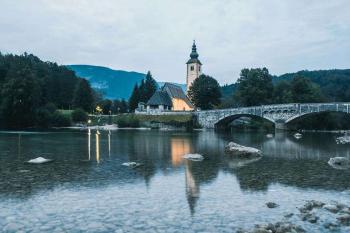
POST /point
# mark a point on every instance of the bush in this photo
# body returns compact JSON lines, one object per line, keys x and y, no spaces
{"x":128,"y":121}
{"x":79,"y":115}
{"x":43,"y":118}
{"x":60,"y":120}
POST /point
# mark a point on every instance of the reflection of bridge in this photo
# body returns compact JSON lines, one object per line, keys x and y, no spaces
{"x":279,"y":114}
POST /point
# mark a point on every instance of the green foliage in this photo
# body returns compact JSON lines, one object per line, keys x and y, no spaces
{"x":79,"y":115}
{"x":149,"y":88}
{"x":205,"y":92}
{"x":134,"y":99}
{"x":28,"y":85}
{"x":119,"y":106}
{"x":128,"y":121}
{"x":43,"y":118}
{"x":20,"y":96}
{"x":143,"y":92}
{"x":303,"y":90}
{"x":83,"y":96}
{"x":254,"y":87}
{"x":334,"y":84}
{"x":106,"y":106}
{"x":60,"y":120}
{"x":282,"y":93}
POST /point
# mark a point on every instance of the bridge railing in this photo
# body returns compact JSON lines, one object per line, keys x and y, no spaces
{"x":299,"y":107}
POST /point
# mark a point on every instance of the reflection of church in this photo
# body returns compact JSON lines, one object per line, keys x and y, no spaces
{"x":171,"y":97}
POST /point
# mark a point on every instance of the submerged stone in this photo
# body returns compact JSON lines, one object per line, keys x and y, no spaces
{"x":298,"y":135}
{"x":132,"y":164}
{"x":39,"y":160}
{"x":241,"y":151}
{"x":271,"y":205}
{"x":193,"y":157}
{"x":340,"y":163}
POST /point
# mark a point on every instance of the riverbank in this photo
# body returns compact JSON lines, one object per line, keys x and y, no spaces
{"x":171,"y":122}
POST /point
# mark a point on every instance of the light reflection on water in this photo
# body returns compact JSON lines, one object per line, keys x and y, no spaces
{"x":167,"y":192}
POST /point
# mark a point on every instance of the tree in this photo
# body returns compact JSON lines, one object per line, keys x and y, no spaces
{"x":254,"y":87}
{"x":134,"y":99}
{"x":83,"y":96}
{"x":150,"y":87}
{"x":123,"y":106}
{"x":106,"y":106}
{"x":282,"y":93}
{"x":205,"y":92}
{"x":303,"y":90}
{"x":20,"y":96}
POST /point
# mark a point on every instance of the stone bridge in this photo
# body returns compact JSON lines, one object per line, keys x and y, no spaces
{"x":279,"y":114}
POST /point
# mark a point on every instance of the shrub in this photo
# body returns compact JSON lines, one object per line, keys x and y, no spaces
{"x":60,"y":120}
{"x":43,"y":118}
{"x":128,"y":121}
{"x":79,"y":115}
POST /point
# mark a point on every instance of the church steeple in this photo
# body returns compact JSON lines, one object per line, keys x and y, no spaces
{"x":194,"y":54}
{"x":194,"y":66}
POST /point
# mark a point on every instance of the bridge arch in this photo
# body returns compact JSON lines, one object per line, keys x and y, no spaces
{"x":225,"y":121}
{"x":307,"y":114}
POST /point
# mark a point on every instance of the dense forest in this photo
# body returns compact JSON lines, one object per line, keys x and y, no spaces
{"x":31,"y":91}
{"x":334,"y":84}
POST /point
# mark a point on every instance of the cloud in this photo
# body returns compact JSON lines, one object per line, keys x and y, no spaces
{"x":284,"y":36}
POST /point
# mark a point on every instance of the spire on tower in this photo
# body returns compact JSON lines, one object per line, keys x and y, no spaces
{"x":194,"y":54}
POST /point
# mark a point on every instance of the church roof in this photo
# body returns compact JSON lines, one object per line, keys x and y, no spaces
{"x":160,"y":97}
{"x":175,"y":91}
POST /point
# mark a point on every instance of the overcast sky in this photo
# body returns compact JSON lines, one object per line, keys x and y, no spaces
{"x":284,"y":36}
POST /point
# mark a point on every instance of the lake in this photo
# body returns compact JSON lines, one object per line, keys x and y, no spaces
{"x":87,"y":188}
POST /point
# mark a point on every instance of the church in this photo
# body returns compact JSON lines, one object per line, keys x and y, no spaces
{"x":171,"y":97}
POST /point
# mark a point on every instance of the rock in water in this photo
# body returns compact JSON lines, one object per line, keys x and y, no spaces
{"x":242,"y":151}
{"x":271,"y":205}
{"x":298,"y":135}
{"x":39,"y":160}
{"x":193,"y":157}
{"x":132,"y":164}
{"x":269,"y":135}
{"x":241,"y":162}
{"x":343,"y":140}
{"x":339,"y":163}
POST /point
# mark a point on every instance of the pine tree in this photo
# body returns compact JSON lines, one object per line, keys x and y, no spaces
{"x":83,"y":96}
{"x":150,"y":87}
{"x":134,"y":99}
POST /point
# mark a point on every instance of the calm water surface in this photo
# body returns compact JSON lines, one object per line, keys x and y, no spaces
{"x":86,"y":188}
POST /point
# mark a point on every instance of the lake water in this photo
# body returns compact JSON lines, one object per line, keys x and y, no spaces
{"x":86,"y":188}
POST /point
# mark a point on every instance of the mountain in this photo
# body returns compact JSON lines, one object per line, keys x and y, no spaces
{"x":115,"y":84}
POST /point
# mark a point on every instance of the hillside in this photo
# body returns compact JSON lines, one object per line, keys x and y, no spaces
{"x":334,"y":84}
{"x":115,"y":84}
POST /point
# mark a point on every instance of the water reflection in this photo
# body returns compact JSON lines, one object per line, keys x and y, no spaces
{"x":89,"y":144}
{"x":294,"y":163}
{"x":179,"y":147}
{"x":109,"y":143}
{"x":192,"y":187}
{"x":97,"y":146}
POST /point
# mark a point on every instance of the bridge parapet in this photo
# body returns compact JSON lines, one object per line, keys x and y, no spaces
{"x":278,"y":113}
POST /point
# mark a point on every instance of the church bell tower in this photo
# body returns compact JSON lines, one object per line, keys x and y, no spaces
{"x":194,"y":67}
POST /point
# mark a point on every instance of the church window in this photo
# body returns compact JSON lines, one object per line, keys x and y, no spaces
{"x":192,"y":68}
{"x":199,"y":68}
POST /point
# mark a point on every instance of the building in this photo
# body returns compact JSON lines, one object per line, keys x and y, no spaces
{"x":169,"y":98}
{"x":194,"y":67}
